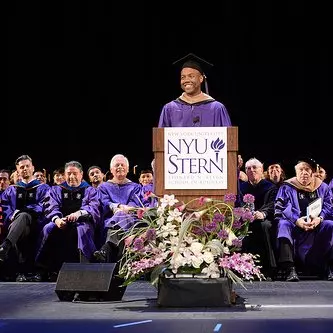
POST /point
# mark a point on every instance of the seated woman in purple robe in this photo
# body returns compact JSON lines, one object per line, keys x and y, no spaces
{"x":118,"y":196}
{"x":73,"y":209}
{"x":194,"y":108}
{"x":301,"y":236}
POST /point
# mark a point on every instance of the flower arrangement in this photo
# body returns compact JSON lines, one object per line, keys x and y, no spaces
{"x":175,"y":238}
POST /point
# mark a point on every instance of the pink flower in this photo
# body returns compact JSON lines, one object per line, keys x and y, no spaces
{"x":203,"y":200}
{"x":140,"y":212}
{"x":128,"y":240}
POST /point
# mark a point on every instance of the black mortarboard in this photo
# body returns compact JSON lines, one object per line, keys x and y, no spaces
{"x":313,"y":164}
{"x":193,"y":61}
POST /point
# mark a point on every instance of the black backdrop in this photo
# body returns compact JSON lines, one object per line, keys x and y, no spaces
{"x":82,"y":74}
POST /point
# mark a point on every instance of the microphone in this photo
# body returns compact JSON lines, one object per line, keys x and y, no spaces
{"x":196,"y":119}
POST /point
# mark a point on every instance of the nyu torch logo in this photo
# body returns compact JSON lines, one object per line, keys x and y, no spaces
{"x":217,"y":145}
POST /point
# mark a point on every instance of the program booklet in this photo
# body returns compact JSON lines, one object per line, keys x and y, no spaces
{"x":314,"y":209}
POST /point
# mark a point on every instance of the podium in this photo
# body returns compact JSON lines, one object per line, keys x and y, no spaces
{"x":188,"y":194}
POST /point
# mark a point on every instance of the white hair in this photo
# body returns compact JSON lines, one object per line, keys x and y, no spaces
{"x":119,"y":156}
{"x":253,"y":161}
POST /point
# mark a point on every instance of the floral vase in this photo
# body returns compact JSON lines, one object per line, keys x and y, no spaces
{"x":194,"y":292}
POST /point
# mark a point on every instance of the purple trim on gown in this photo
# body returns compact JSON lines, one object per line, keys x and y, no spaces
{"x":85,"y":231}
{"x":209,"y":113}
{"x":126,"y":194}
{"x":312,"y":247}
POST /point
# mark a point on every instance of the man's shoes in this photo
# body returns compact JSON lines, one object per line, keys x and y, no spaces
{"x":330,"y":275}
{"x":103,"y":254}
{"x":292,"y":275}
{"x":4,"y":250}
{"x":38,"y":277}
{"x":21,"y":278}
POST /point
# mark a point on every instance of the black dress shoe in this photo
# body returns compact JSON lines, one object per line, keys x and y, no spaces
{"x":21,"y":278}
{"x":103,"y":254}
{"x":330,"y":275}
{"x":4,"y":250}
{"x":38,"y":277}
{"x":292,"y":275}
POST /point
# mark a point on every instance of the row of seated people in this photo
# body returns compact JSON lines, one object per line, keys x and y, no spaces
{"x":44,"y":226}
{"x":287,"y":240}
{"x":67,"y":206}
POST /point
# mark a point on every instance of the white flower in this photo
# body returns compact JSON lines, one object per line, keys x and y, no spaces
{"x":162,"y":246}
{"x":174,"y":241}
{"x":226,"y":250}
{"x":168,"y":229}
{"x":160,"y":221}
{"x":197,"y":260}
{"x":160,"y":210}
{"x":168,"y":200}
{"x":231,"y":237}
{"x":177,"y":261}
{"x":212,"y":270}
{"x":174,"y":215}
{"x":196,"y":248}
{"x":187,"y":255}
{"x":208,"y":257}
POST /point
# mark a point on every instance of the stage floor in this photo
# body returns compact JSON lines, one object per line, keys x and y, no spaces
{"x":277,"y":306}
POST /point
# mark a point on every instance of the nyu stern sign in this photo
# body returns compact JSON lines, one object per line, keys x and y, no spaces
{"x":195,"y":158}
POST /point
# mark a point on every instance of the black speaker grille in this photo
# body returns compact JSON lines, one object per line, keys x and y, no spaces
{"x":83,"y":277}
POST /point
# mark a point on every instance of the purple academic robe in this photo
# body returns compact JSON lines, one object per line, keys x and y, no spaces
{"x":111,"y":195}
{"x":9,"y":203}
{"x":312,"y":247}
{"x":148,"y":201}
{"x":330,"y":185}
{"x":209,"y":113}
{"x":85,"y":231}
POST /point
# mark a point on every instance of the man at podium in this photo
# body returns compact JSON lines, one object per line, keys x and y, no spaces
{"x":194,"y":108}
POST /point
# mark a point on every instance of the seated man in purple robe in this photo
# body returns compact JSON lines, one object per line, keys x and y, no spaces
{"x":23,"y":212}
{"x":73,"y":209}
{"x":301,"y":236}
{"x":118,"y":196}
{"x":193,"y":108}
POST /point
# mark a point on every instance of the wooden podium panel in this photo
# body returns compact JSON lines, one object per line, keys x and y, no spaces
{"x":189,"y":194}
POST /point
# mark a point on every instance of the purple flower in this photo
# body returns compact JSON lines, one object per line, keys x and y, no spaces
{"x":247,"y":216}
{"x":138,"y":244}
{"x":211,"y":227}
{"x":237,"y":243}
{"x":223,"y":234}
{"x":237,"y":224}
{"x":218,"y":218}
{"x":151,"y":234}
{"x":248,"y":198}
{"x":230,"y":197}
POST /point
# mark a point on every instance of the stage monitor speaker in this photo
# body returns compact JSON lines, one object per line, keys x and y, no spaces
{"x":89,"y":282}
